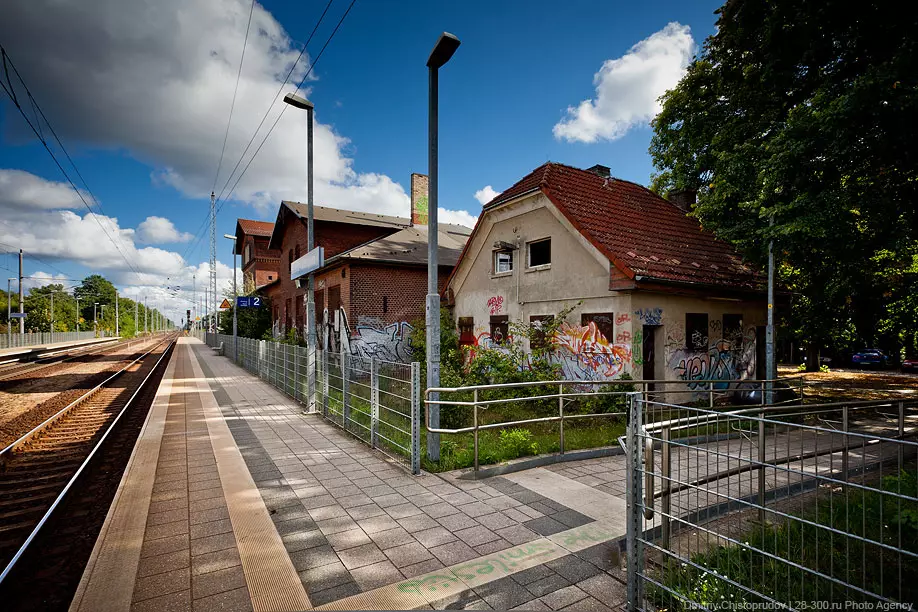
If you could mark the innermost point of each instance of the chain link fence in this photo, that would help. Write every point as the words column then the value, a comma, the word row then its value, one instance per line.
column 792, row 507
column 377, row 401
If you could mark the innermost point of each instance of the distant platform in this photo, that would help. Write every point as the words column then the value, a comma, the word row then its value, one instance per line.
column 33, row 352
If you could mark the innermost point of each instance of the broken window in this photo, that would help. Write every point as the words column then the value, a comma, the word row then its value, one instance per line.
column 696, row 331
column 503, row 261
column 604, row 321
column 539, row 252
column 466, row 330
column 733, row 327
column 500, row 328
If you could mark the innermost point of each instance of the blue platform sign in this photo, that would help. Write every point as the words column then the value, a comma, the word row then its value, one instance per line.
column 244, row 301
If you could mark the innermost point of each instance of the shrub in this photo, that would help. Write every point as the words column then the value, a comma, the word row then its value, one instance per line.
column 517, row 443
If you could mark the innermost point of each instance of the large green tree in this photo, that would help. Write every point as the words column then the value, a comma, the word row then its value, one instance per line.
column 804, row 111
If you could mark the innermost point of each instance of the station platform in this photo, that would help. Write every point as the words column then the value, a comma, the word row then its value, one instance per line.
column 26, row 352
column 235, row 500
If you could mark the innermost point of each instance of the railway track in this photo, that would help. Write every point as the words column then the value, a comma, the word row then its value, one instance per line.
column 9, row 372
column 39, row 470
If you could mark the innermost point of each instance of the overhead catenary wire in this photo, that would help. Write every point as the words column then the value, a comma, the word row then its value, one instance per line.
column 199, row 234
column 35, row 127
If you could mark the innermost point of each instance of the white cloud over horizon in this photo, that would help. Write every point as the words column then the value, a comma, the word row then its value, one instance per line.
column 486, row 194
column 159, row 230
column 628, row 88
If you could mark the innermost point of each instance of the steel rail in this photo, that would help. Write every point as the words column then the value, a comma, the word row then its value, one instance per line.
column 57, row 501
column 59, row 357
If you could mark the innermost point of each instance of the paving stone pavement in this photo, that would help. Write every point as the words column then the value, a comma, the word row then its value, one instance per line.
column 353, row 520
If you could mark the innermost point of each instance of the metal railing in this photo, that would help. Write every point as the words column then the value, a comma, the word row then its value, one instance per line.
column 16, row 340
column 780, row 506
column 573, row 400
column 377, row 401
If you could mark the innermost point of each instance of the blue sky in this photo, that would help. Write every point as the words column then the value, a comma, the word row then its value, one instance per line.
column 140, row 91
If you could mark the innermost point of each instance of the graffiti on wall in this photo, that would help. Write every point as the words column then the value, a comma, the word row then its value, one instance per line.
column 637, row 356
column 725, row 359
column 495, row 304
column 650, row 316
column 623, row 318
column 584, row 353
column 385, row 342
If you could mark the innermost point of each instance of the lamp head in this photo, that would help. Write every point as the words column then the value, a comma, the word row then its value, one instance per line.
column 443, row 50
column 298, row 101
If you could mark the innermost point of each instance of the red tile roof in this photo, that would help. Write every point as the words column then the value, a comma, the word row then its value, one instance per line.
column 256, row 228
column 643, row 234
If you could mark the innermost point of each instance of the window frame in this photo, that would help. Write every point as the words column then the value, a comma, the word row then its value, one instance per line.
column 500, row 323
column 538, row 339
column 605, row 322
column 529, row 245
column 495, row 261
column 692, row 324
column 466, row 326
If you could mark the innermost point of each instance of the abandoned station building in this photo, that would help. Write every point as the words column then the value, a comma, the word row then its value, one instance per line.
column 653, row 294
column 374, row 280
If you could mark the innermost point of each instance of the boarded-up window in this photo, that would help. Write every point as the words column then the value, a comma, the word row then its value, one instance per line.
column 696, row 331
column 733, row 327
column 500, row 328
column 538, row 339
column 466, row 330
column 604, row 321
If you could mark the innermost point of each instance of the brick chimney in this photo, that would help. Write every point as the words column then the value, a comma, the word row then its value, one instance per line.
column 683, row 199
column 600, row 170
column 419, row 183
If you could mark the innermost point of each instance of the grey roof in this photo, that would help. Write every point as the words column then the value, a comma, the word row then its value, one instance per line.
column 409, row 246
column 337, row 215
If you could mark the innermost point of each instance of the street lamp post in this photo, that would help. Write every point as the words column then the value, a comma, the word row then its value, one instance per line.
column 235, row 295
column 95, row 320
column 303, row 103
column 9, row 312
column 78, row 314
column 442, row 52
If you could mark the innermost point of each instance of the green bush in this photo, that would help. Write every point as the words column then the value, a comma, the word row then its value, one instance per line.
column 517, row 443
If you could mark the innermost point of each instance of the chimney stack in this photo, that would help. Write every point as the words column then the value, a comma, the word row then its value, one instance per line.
column 419, row 184
column 683, row 199
column 600, row 170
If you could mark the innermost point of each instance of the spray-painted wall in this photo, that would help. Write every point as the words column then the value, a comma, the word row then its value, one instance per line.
column 367, row 338
column 580, row 273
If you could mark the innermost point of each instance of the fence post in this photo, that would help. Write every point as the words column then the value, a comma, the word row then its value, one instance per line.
column 345, row 388
column 560, row 416
column 635, row 559
column 296, row 374
column 415, row 417
column 901, row 435
column 665, row 486
column 761, row 470
column 475, row 424
column 325, row 383
column 711, row 394
column 374, row 402
column 845, row 449
column 311, row 377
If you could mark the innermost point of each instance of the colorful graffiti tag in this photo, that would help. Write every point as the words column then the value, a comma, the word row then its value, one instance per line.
column 724, row 360
column 495, row 304
column 584, row 353
column 390, row 343
column 650, row 316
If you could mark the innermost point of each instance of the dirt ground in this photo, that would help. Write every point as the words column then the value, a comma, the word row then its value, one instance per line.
column 848, row 384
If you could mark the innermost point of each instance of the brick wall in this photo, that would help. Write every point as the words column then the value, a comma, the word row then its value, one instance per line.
column 419, row 189
column 263, row 263
column 382, row 294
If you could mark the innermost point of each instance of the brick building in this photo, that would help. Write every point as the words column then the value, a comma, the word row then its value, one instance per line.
column 260, row 263
column 375, row 270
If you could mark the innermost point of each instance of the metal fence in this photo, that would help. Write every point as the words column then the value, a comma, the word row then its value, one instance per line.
column 16, row 340
column 377, row 401
column 796, row 507
column 479, row 408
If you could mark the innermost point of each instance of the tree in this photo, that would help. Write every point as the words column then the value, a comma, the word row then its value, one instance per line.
column 796, row 111
column 250, row 323
column 95, row 288
column 38, row 309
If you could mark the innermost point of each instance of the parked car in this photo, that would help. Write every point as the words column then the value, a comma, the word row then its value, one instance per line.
column 910, row 365
column 750, row 394
column 870, row 358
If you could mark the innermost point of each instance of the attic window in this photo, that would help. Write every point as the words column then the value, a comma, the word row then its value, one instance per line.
column 503, row 261
column 539, row 252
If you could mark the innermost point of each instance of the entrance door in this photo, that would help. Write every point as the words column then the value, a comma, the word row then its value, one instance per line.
column 649, row 352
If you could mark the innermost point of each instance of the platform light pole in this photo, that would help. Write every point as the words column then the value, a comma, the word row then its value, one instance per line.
column 235, row 295
column 95, row 319
column 309, row 107
column 442, row 52
column 9, row 312
column 117, row 321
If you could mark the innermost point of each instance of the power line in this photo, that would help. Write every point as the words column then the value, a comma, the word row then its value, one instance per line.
column 38, row 134
column 199, row 233
column 235, row 91
column 281, row 114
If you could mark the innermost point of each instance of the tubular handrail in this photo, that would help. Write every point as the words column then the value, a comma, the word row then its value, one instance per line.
column 92, row 453
column 614, row 381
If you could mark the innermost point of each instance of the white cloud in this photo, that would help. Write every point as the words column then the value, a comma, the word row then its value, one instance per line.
column 628, row 88
column 486, row 194
column 159, row 230
column 23, row 190
column 87, row 61
column 41, row 278
column 459, row 217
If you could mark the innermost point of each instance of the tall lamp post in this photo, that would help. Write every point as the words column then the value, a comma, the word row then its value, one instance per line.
column 235, row 341
column 442, row 52
column 9, row 312
column 303, row 103
column 95, row 320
